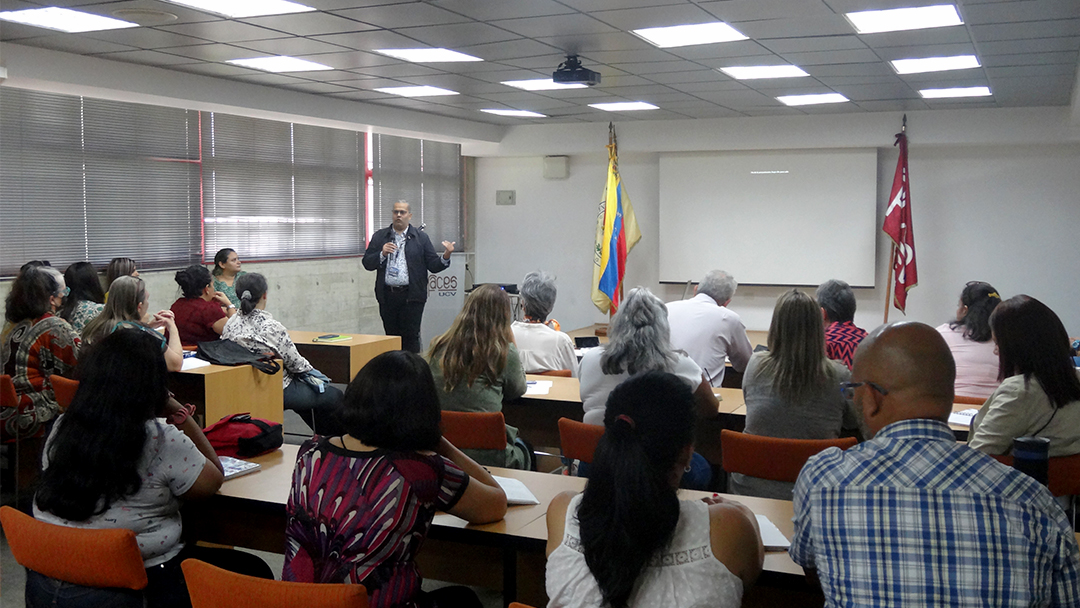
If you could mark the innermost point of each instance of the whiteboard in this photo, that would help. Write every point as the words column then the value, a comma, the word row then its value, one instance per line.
column 777, row 217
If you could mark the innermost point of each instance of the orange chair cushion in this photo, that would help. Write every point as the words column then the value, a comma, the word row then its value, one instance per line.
column 213, row 587
column 560, row 373
column 91, row 558
column 64, row 389
column 968, row 400
column 8, row 396
column 578, row 440
column 772, row 458
column 475, row 430
column 1062, row 473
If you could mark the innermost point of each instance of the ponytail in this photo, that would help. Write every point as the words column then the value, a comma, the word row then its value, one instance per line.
column 250, row 288
column 630, row 508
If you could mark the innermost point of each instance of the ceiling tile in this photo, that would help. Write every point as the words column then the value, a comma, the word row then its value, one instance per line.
column 542, row 62
column 401, row 70
column 457, row 35
column 309, row 24
column 832, row 57
column 1028, row 29
column 16, row 31
column 877, row 92
column 291, row 46
column 893, row 105
column 851, row 69
column 265, row 78
column 402, row 15
column 777, row 110
column 1069, row 57
column 704, row 52
column 183, row 14
column 559, row 26
column 213, row 69
column 75, row 43
column 512, row 96
column 223, row 31
column 461, row 84
column 736, row 99
column 1054, row 69
column 815, row 43
column 351, row 60
column 614, row 42
column 365, row 41
column 843, row 81
column 1027, row 10
column 342, row 77
column 850, row 6
column 213, row 52
column 936, row 35
column 710, row 111
column 604, row 5
column 147, row 57
column 146, row 38
column 318, row 87
column 487, row 10
column 511, row 49
column 656, row 67
column 504, row 75
column 679, row 78
column 650, row 55
column 1041, row 45
column 696, row 88
column 332, row 5
column 752, row 10
column 974, row 74
column 1037, row 90
column 360, row 95
column 929, row 50
column 654, row 16
column 823, row 25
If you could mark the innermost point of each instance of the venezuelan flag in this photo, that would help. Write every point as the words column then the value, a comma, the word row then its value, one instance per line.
column 616, row 234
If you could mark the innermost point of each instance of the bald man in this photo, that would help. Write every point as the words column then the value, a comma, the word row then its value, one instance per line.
column 911, row 517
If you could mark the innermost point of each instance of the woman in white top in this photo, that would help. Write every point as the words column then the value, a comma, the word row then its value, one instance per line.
column 628, row 541
column 541, row 346
column 971, row 343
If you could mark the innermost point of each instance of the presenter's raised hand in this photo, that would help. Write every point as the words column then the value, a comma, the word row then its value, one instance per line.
column 389, row 248
column 449, row 246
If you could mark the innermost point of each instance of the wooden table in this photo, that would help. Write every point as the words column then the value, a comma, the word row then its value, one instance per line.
column 222, row 390
column 249, row 511
column 341, row 360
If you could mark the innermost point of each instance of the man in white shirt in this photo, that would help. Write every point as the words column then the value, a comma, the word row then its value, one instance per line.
column 707, row 331
column 541, row 346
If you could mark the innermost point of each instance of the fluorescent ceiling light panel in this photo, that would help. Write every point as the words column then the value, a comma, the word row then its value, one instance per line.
column 424, row 91
column 542, row 84
column 280, row 63
column 427, row 55
column 65, row 20
column 898, row 19
column 955, row 92
column 516, row 113
column 807, row 100
column 935, row 64
column 687, row 35
column 751, row 72
column 623, row 106
column 236, row 9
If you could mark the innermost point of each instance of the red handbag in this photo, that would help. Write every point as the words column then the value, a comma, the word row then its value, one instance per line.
column 242, row 436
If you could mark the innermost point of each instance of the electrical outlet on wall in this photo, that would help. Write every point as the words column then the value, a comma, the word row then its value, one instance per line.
column 505, row 197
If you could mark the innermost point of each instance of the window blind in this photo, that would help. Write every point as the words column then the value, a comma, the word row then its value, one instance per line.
column 427, row 175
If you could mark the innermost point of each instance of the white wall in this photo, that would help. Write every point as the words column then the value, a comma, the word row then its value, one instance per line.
column 1005, row 213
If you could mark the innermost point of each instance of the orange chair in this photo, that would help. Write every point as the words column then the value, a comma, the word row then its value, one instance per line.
column 1062, row 475
column 64, row 390
column 559, row 373
column 578, row 440
column 769, row 457
column 519, row 605
column 212, row 587
column 475, row 430
column 968, row 400
column 80, row 556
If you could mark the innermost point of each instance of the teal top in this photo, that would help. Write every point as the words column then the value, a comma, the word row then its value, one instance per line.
column 229, row 290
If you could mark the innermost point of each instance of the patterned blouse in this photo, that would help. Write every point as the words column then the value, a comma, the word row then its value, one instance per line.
column 360, row 517
column 83, row 312
column 31, row 351
column 259, row 333
column 229, row 290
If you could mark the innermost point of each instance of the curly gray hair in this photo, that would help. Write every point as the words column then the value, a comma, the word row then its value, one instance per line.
column 538, row 291
column 718, row 285
column 639, row 339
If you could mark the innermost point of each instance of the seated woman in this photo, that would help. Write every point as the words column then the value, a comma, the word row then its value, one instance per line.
column 85, row 298
column 338, row 530
column 34, row 345
column 541, row 347
column 307, row 390
column 128, row 307
column 970, row 340
column 628, row 541
column 1039, row 394
column 226, row 271
column 202, row 312
column 477, row 367
column 793, row 391
column 124, row 456
column 119, row 267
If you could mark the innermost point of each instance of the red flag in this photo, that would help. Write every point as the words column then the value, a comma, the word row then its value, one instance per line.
column 898, row 227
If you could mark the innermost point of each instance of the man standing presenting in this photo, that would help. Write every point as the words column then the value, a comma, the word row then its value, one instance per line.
column 403, row 256
column 707, row 331
column 913, row 518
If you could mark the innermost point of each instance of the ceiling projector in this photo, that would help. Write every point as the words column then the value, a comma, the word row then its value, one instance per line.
column 571, row 72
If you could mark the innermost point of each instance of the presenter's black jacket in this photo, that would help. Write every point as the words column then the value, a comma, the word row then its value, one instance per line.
column 420, row 257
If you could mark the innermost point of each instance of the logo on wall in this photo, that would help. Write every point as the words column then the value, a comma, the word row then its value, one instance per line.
column 443, row 287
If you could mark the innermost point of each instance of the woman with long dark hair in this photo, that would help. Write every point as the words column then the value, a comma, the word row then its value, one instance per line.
column 338, row 528
column 792, row 391
column 477, row 367
column 971, row 341
column 628, row 541
column 85, row 297
column 34, row 345
column 1039, row 394
column 123, row 456
column 201, row 313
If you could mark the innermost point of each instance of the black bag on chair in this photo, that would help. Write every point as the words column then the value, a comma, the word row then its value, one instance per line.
column 227, row 352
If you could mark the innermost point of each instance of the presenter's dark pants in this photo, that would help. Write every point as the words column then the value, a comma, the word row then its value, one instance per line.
column 401, row 317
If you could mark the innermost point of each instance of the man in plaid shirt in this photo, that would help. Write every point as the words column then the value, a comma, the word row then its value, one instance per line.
column 912, row 518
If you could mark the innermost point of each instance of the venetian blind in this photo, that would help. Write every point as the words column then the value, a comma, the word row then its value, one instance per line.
column 426, row 174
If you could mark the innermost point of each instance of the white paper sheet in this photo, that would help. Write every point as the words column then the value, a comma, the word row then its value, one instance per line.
column 191, row 363
column 538, row 387
column 771, row 536
column 516, row 492
column 962, row 418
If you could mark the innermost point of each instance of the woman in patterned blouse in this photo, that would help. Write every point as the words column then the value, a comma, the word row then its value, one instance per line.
column 361, row 504
column 85, row 297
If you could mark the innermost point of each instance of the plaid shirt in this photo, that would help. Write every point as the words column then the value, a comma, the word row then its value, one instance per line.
column 912, row 518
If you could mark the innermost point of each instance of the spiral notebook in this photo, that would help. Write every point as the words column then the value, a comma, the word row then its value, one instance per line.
column 234, row 467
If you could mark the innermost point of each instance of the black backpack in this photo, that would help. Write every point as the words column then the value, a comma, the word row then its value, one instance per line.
column 227, row 352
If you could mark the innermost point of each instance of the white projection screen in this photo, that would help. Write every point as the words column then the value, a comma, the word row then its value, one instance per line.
column 783, row 217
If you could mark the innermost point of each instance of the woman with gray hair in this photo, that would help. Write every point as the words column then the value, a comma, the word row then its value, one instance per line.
column 639, row 341
column 542, row 347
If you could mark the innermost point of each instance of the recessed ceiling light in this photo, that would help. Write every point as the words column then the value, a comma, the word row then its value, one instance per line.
column 955, row 92
column 686, row 35
column 516, row 113
column 427, row 55
column 236, row 9
column 280, row 63
column 934, row 64
column 424, row 91
column 542, row 84
column 806, row 100
column 64, row 20
column 751, row 72
column 623, row 106
column 897, row 19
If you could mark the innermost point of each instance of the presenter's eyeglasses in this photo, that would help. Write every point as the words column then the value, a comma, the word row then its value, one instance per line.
column 848, row 388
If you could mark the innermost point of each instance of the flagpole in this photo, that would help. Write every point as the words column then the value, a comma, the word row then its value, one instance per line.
column 888, row 282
